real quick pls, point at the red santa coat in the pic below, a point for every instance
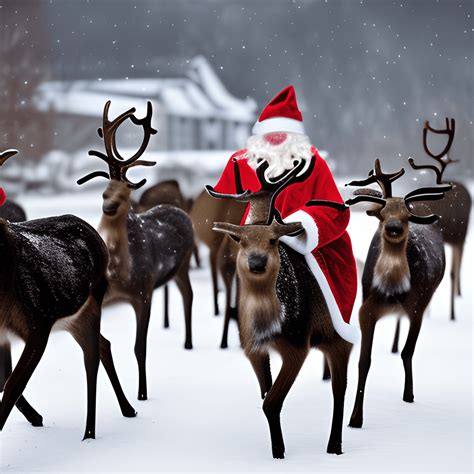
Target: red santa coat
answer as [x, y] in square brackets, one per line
[328, 246]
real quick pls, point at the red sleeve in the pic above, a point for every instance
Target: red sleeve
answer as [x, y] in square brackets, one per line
[3, 197]
[330, 222]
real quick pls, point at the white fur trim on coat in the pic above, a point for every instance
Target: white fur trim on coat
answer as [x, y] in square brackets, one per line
[306, 242]
[349, 332]
[278, 124]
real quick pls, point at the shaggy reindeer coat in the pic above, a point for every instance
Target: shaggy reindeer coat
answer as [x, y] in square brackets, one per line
[332, 254]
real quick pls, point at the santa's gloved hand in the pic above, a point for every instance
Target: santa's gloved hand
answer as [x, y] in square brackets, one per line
[307, 241]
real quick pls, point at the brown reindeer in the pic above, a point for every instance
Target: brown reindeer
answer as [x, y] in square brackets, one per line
[454, 210]
[222, 250]
[404, 266]
[166, 192]
[274, 310]
[52, 275]
[147, 249]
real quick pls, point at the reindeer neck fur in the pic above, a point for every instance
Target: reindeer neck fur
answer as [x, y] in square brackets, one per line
[259, 313]
[114, 232]
[259, 209]
[391, 272]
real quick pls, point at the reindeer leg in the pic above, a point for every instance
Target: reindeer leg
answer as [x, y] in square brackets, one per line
[108, 363]
[86, 332]
[367, 318]
[166, 323]
[407, 355]
[396, 337]
[229, 275]
[458, 267]
[22, 405]
[293, 358]
[197, 257]
[326, 371]
[215, 285]
[338, 358]
[16, 383]
[142, 314]
[184, 285]
[261, 367]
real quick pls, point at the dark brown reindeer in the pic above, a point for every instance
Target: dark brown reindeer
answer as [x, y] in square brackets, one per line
[404, 266]
[52, 276]
[147, 249]
[274, 312]
[453, 210]
[166, 192]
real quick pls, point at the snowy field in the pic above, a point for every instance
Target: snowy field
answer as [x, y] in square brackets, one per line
[204, 410]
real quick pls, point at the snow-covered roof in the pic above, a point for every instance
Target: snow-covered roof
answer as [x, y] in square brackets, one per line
[201, 94]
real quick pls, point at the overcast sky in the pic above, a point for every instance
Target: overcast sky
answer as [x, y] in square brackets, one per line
[367, 73]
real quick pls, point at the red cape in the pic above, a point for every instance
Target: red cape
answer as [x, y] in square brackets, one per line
[333, 252]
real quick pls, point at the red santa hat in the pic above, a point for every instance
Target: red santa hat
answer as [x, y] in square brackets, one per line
[280, 115]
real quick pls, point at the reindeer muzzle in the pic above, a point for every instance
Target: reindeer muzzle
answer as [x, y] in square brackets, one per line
[110, 209]
[257, 263]
[394, 228]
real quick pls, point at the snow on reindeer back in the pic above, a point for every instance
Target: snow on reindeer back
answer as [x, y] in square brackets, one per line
[55, 263]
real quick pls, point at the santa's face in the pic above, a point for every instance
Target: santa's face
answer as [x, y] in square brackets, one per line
[280, 149]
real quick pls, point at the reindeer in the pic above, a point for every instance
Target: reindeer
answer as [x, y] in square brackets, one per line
[453, 210]
[222, 250]
[404, 266]
[146, 249]
[52, 276]
[274, 311]
[166, 192]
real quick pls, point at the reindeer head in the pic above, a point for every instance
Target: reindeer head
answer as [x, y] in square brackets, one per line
[395, 213]
[258, 258]
[117, 195]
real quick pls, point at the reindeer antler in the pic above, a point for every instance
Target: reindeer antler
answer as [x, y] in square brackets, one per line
[263, 201]
[449, 130]
[118, 166]
[384, 180]
[7, 154]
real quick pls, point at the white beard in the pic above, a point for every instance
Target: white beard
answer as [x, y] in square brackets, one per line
[279, 157]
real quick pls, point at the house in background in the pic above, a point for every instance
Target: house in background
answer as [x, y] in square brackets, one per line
[195, 112]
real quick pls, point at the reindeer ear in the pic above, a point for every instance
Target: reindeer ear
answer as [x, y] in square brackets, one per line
[291, 229]
[232, 230]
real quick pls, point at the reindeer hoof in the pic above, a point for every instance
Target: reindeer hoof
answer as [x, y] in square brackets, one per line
[188, 345]
[37, 421]
[142, 396]
[355, 423]
[278, 454]
[223, 345]
[129, 412]
[89, 434]
[335, 448]
[408, 398]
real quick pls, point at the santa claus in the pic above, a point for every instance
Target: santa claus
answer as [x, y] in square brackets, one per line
[279, 138]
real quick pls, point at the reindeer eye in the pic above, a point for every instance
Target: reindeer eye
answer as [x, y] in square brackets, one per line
[273, 241]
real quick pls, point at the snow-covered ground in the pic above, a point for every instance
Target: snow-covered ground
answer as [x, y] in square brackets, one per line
[204, 410]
